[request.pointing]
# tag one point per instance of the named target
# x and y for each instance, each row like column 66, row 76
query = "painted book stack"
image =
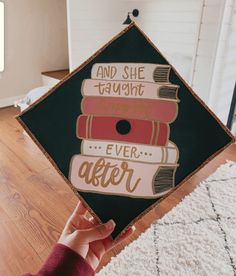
column 127, row 109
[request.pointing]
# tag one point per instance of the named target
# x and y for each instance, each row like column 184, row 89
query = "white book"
column 119, row 177
column 130, row 151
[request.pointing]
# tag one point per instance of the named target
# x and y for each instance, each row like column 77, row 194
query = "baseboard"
column 10, row 100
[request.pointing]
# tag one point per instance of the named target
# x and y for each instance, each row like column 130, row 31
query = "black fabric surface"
column 53, row 120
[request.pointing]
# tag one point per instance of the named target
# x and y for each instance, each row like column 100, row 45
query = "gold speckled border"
column 76, row 71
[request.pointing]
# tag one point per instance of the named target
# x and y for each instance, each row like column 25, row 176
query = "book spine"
column 105, row 128
column 117, row 177
column 129, row 89
column 163, row 111
column 133, row 152
column 131, row 71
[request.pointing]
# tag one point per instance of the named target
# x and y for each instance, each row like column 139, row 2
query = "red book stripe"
column 104, row 128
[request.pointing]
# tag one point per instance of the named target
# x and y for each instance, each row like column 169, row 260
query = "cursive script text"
column 104, row 173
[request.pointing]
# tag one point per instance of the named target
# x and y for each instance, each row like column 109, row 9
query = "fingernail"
column 110, row 224
column 92, row 220
column 133, row 228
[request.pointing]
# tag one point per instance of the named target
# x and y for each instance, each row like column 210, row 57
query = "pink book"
column 158, row 110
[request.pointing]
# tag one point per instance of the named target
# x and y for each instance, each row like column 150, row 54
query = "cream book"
column 130, row 89
column 119, row 177
column 129, row 151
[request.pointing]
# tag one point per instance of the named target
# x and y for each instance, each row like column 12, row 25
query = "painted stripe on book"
column 87, row 127
column 156, row 134
column 90, row 125
column 152, row 134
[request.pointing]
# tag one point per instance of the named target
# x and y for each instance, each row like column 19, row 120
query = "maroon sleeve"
column 64, row 261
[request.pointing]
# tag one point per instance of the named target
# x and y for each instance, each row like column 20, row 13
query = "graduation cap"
column 124, row 129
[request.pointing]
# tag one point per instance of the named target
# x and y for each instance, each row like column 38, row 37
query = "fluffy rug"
column 197, row 237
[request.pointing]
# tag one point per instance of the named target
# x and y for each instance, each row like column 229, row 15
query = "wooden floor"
column 35, row 201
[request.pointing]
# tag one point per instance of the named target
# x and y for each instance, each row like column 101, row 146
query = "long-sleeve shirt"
column 64, row 261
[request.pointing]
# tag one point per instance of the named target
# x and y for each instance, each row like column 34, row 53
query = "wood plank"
column 17, row 255
column 17, row 147
column 31, row 188
column 31, row 201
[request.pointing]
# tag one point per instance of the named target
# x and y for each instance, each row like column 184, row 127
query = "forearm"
column 64, row 261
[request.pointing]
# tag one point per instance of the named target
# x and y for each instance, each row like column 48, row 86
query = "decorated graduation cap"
column 124, row 129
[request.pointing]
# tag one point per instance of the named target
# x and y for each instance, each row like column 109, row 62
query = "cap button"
column 123, row 127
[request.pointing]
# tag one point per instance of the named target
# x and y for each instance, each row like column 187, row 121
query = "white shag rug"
column 197, row 237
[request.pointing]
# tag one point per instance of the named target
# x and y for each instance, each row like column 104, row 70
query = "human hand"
column 87, row 237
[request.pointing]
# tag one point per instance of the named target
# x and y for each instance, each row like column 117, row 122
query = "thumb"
column 98, row 232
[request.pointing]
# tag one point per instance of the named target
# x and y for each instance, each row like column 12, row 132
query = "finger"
column 80, row 209
column 98, row 232
column 102, row 246
column 107, row 243
column 83, row 223
column 92, row 259
column 74, row 220
column 86, row 222
column 97, row 248
column 94, row 221
column 124, row 236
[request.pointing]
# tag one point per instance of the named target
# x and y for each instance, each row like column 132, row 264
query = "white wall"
column 35, row 41
column 172, row 25
column 206, row 47
column 197, row 36
column 224, row 75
